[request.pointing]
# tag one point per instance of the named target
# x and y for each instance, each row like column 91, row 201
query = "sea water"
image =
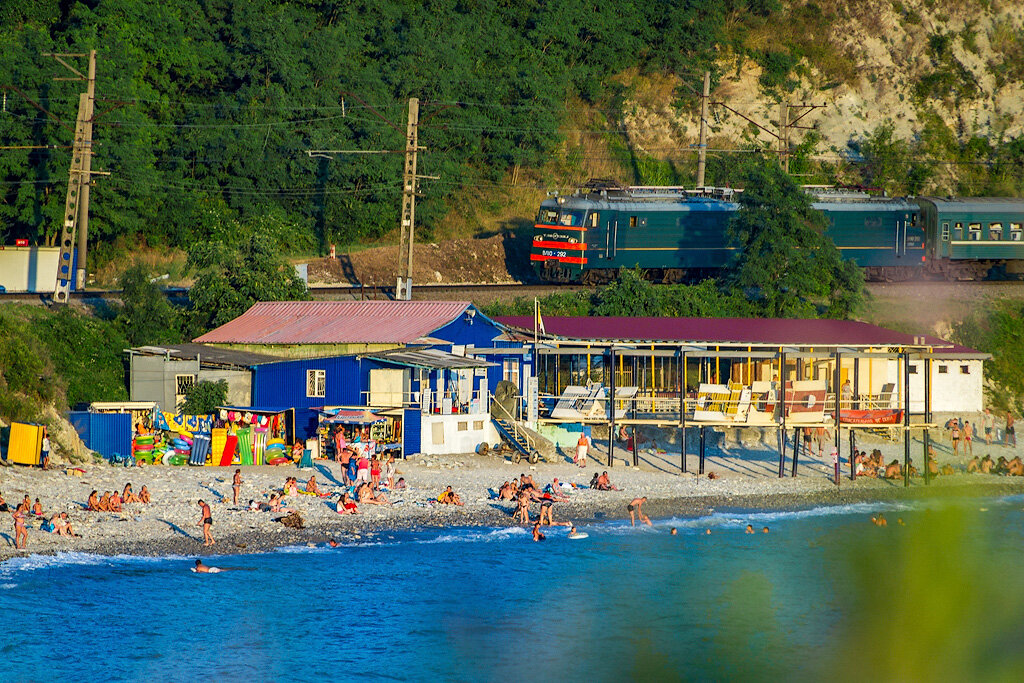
column 825, row 594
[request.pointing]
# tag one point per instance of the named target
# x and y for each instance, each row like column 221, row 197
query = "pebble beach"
column 746, row 477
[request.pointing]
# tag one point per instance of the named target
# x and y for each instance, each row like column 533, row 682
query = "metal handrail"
column 518, row 431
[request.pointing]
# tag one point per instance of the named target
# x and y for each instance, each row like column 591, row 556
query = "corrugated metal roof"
column 336, row 322
column 430, row 359
column 208, row 355
column 734, row 331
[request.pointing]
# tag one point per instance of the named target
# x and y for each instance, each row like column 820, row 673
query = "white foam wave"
column 473, row 535
column 73, row 558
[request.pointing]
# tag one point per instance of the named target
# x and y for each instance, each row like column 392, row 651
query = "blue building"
column 432, row 365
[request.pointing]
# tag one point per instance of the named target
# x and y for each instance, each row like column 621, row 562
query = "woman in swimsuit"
column 115, row 502
column 20, row 532
column 375, row 472
column 389, row 472
column 346, row 506
column 105, row 502
column 129, row 496
column 144, row 495
column 94, row 502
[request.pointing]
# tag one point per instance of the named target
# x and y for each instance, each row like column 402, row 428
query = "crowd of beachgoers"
column 94, row 509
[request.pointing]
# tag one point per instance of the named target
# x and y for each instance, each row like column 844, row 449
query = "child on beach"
column 144, row 495
column 37, row 508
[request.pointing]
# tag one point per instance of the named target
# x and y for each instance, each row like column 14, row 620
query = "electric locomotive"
column 677, row 235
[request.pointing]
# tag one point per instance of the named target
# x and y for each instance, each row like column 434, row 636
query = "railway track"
column 485, row 292
column 490, row 292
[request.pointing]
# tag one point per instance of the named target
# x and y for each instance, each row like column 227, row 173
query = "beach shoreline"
column 168, row 527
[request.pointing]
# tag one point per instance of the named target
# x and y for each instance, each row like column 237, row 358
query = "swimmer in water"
column 764, row 530
column 673, row 531
column 750, row 529
column 707, row 532
column 537, row 535
column 201, row 568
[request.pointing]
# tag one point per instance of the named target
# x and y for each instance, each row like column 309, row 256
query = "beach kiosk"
column 25, row 446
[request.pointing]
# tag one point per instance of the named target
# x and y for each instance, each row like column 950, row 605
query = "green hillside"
column 206, row 108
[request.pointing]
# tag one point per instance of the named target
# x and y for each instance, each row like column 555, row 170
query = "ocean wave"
column 74, row 558
column 474, row 535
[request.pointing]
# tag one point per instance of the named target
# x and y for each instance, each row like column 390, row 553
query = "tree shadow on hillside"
column 517, row 235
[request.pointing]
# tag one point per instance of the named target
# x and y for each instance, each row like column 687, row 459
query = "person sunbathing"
column 37, row 508
column 276, row 506
column 105, row 502
column 25, row 505
column 129, row 496
column 4, row 507
column 947, row 469
column 594, row 479
column 933, row 469
column 366, row 495
column 115, row 502
column 556, row 491
column 400, row 484
column 605, row 484
column 449, row 497
column 974, row 465
column 311, row 486
column 93, row 502
column 144, row 495
column 1000, row 466
column 346, row 506
column 1015, row 467
column 291, row 486
column 506, row 492
column 986, row 465
column 893, row 470
column 526, row 482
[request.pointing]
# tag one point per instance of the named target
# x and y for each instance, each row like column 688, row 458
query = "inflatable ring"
column 278, row 461
column 177, row 460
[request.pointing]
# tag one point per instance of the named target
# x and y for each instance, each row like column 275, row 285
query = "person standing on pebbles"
column 236, row 486
column 206, row 522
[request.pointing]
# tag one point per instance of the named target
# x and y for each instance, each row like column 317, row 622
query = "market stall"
column 365, row 431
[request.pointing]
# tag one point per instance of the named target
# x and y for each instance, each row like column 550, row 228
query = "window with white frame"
column 510, row 370
column 316, row 383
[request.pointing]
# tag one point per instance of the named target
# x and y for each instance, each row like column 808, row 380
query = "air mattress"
column 245, row 446
column 228, row 454
column 200, row 449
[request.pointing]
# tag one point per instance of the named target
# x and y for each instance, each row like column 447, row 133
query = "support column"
column 796, row 449
column 927, row 416
column 682, row 410
column 611, row 407
column 700, row 469
column 636, row 457
column 906, row 418
column 853, row 449
column 835, row 389
column 780, row 400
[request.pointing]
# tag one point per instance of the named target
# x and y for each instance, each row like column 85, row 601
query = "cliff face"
column 909, row 65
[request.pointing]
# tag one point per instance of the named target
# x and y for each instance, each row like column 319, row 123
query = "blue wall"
column 105, row 433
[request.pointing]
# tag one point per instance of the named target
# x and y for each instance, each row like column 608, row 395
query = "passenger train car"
column 678, row 235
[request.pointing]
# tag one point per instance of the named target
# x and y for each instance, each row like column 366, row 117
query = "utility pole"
column 702, row 147
column 76, row 204
column 786, row 123
column 407, row 218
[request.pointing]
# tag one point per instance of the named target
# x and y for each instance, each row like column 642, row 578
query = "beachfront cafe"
column 696, row 374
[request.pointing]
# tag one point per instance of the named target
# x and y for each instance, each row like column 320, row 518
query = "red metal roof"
column 336, row 322
column 734, row 331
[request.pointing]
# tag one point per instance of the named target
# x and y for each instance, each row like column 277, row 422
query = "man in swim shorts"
column 635, row 510
column 201, row 568
column 206, row 521
column 581, row 450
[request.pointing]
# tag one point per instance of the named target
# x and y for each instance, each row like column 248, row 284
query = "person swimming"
column 749, row 529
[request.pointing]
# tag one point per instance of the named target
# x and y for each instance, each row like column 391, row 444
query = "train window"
column 571, row 218
column 1015, row 232
column 593, row 219
column 995, row 231
column 945, row 232
column 958, row 231
column 913, row 219
column 974, row 230
column 633, row 221
column 548, row 217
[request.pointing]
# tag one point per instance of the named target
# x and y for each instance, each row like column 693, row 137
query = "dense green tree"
column 204, row 397
column 146, row 316
column 230, row 279
column 1001, row 333
column 784, row 262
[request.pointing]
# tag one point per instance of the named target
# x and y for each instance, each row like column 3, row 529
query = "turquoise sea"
column 824, row 595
